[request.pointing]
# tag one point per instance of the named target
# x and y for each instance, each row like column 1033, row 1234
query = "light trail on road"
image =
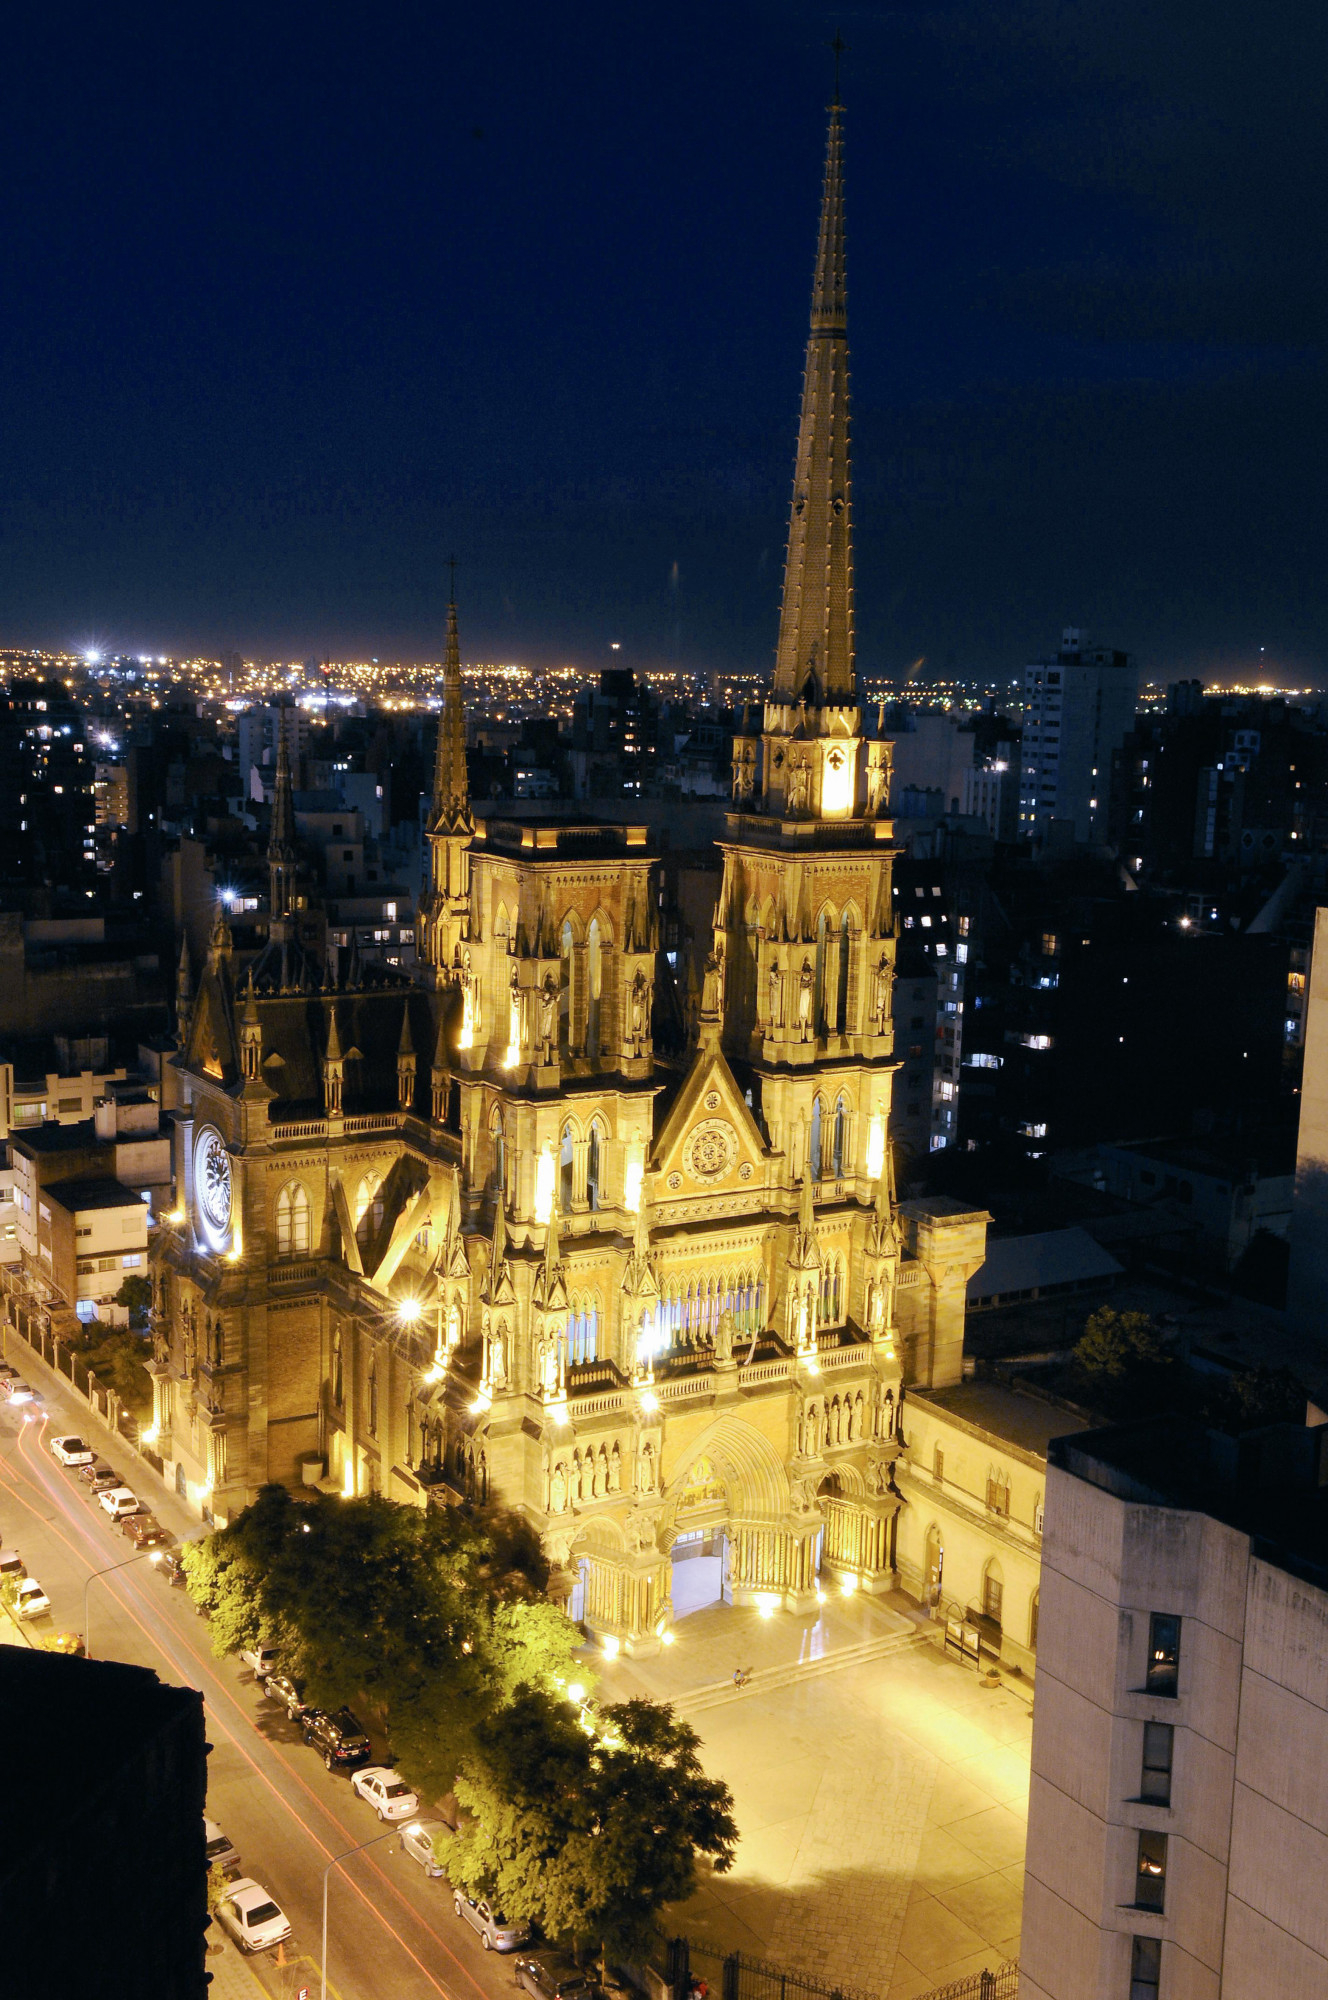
column 44, row 1480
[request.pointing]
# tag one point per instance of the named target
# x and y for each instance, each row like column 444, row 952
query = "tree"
column 1117, row 1345
column 433, row 1616
column 1258, row 1396
column 589, row 1830
column 136, row 1294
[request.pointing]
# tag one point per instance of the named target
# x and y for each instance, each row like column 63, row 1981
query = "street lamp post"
column 336, row 1863
column 149, row 1556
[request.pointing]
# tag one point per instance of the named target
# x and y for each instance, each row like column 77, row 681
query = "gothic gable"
column 710, row 1138
column 211, row 1049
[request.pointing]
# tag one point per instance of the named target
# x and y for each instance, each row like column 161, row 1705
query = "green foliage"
column 136, row 1295
column 588, row 1833
column 431, row 1616
column 1118, row 1345
column 1259, row 1396
column 437, row 1619
column 117, row 1358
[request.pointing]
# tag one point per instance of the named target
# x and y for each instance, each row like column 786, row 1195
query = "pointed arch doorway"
column 700, row 1550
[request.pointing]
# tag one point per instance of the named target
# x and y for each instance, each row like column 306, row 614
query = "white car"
column 389, row 1796
column 221, row 1852
column 424, row 1840
column 118, row 1501
column 263, row 1660
column 17, row 1391
column 497, row 1932
column 72, row 1451
column 30, row 1600
column 248, row 1912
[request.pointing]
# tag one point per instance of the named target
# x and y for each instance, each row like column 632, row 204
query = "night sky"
column 296, row 302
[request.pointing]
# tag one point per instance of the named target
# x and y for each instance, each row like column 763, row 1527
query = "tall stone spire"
column 444, row 906
column 281, row 840
column 814, row 658
column 451, row 788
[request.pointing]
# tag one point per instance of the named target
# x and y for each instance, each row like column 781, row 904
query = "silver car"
column 497, row 1932
column 424, row 1840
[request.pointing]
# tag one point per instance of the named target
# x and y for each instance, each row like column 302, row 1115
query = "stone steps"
column 768, row 1680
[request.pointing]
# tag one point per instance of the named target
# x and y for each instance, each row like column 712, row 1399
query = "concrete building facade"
column 1078, row 709
column 1178, row 1813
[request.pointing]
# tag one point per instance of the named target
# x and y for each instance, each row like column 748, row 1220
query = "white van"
column 118, row 1501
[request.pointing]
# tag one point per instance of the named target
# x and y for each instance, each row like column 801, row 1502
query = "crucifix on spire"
column 840, row 47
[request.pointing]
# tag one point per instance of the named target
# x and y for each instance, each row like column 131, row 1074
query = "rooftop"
column 1015, row 1417
column 81, row 1195
column 1265, row 1484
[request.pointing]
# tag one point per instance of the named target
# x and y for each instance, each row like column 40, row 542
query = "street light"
column 336, row 1863
column 150, row 1556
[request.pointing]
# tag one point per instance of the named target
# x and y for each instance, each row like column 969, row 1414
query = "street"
column 391, row 1930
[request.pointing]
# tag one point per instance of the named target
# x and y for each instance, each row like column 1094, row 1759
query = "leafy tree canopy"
column 1117, row 1345
column 588, row 1829
column 432, row 1616
column 1258, row 1396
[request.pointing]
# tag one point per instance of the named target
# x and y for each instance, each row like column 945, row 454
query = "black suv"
column 553, row 1979
column 338, row 1738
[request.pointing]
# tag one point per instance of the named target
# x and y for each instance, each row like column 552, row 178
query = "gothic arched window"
column 293, row 1221
column 814, row 1149
column 839, row 1142
column 594, row 1162
column 565, row 1156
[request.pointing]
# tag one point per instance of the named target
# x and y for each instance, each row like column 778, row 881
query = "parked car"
column 101, row 1478
column 12, row 1565
column 262, row 1659
column 171, row 1567
column 117, row 1501
column 145, row 1531
column 7, row 1368
column 389, row 1795
column 251, row 1916
column 288, row 1693
column 338, row 1738
column 496, row 1933
column 425, row 1841
column 221, row 1851
column 548, row 1979
column 30, row 1600
column 16, row 1389
column 72, row 1451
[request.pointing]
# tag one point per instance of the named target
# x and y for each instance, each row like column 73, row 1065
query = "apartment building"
column 1178, row 1813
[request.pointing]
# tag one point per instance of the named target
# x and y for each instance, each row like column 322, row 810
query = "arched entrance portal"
column 700, row 1551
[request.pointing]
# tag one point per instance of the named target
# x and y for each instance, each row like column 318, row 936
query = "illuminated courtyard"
column 881, row 1791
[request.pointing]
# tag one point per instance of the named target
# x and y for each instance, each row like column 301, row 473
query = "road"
column 392, row 1931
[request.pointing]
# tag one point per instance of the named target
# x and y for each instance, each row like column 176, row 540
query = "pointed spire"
column 814, row 658
column 333, row 1053
column 499, row 1256
column 281, row 837
column 553, row 1251
column 405, row 1047
column 219, row 944
column 451, row 787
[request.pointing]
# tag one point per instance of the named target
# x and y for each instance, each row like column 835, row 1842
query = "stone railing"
column 306, row 1128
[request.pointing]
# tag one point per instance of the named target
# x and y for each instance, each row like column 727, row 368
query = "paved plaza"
column 881, row 1792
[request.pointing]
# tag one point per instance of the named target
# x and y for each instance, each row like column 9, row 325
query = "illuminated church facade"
column 532, row 1227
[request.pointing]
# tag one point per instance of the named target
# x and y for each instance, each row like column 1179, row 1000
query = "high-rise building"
column 1078, row 708
column 107, row 1761
column 1178, row 1813
column 571, row 1219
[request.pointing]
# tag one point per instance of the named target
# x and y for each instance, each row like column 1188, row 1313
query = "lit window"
column 1150, row 1887
column 1163, row 1673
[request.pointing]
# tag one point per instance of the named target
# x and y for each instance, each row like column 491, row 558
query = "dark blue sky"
column 295, row 301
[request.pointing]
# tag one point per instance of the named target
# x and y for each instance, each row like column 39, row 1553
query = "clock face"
column 711, row 1150
column 212, row 1187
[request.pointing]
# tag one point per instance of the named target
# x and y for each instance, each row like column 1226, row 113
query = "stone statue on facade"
column 806, row 982
column 638, row 1009
column 881, row 982
column 724, row 1340
column 548, row 1018
column 776, row 997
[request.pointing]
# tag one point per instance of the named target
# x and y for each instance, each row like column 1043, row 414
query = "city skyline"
column 540, row 313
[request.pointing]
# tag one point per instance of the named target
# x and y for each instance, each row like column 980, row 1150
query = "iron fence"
column 742, row 1978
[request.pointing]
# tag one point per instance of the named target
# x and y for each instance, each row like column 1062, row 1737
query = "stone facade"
column 546, row 1225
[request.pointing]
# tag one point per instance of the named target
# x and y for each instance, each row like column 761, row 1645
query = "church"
column 519, row 1229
